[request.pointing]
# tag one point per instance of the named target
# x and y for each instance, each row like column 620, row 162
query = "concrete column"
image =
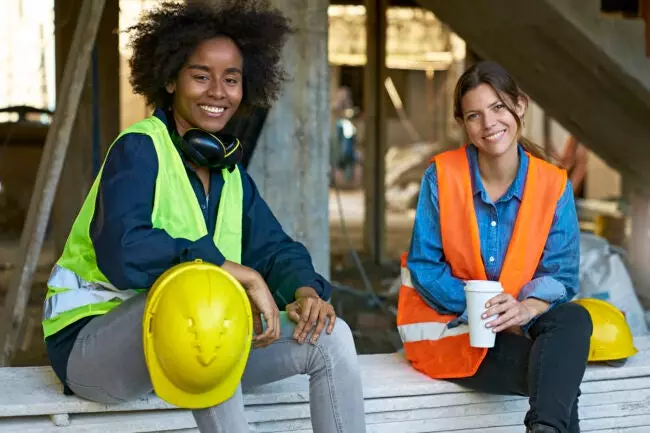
column 639, row 242
column 290, row 163
column 374, row 170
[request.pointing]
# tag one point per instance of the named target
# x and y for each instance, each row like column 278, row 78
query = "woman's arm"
column 130, row 252
column 431, row 275
column 284, row 263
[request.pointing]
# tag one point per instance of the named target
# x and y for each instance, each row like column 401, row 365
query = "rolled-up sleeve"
column 285, row 264
column 130, row 252
column 431, row 274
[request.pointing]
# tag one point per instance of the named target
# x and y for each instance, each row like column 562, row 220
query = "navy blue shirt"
column 131, row 253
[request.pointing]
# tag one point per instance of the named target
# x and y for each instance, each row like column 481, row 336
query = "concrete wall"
column 589, row 72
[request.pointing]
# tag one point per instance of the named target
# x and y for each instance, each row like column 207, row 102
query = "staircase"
column 588, row 70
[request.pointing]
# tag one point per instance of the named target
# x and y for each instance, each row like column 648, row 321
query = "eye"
column 200, row 77
column 232, row 80
column 472, row 116
column 500, row 106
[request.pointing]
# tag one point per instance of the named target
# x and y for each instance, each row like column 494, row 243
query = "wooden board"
column 397, row 399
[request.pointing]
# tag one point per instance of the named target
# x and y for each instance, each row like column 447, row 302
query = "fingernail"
column 484, row 316
column 487, row 305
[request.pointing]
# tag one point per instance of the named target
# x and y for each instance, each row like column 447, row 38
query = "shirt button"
column 491, row 259
column 493, row 223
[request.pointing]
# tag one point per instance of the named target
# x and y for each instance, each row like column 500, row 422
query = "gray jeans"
column 107, row 365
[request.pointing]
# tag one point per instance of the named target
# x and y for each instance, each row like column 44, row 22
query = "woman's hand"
column 309, row 311
column 512, row 313
column 262, row 303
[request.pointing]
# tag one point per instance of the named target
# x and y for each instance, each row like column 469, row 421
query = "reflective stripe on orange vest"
column 429, row 345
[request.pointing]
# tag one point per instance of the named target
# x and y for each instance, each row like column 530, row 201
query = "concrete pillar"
column 639, row 242
column 290, row 163
column 374, row 170
column 77, row 174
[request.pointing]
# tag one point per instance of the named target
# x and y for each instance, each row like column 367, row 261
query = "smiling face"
column 490, row 126
column 208, row 88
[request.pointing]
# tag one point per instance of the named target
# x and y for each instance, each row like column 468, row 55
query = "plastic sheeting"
column 603, row 275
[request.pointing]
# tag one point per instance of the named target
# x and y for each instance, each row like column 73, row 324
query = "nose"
column 216, row 89
column 489, row 120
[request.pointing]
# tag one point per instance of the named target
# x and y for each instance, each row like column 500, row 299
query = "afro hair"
column 166, row 36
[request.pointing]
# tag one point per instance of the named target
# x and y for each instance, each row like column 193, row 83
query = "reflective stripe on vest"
column 429, row 344
column 78, row 288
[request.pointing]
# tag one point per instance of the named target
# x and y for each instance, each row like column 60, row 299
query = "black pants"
column 548, row 368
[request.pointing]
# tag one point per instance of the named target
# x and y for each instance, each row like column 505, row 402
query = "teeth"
column 494, row 136
column 212, row 109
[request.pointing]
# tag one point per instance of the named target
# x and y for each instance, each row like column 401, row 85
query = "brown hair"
column 494, row 75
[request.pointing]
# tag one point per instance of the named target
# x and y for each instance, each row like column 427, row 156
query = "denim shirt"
column 556, row 278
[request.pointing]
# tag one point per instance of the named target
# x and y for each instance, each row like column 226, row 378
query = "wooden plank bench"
column 397, row 399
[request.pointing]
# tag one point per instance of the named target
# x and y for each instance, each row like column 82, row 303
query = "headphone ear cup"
column 210, row 148
column 236, row 155
column 192, row 153
column 234, row 149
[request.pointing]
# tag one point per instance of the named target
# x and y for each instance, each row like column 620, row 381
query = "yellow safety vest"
column 77, row 288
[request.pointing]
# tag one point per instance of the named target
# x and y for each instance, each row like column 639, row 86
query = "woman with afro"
column 197, row 66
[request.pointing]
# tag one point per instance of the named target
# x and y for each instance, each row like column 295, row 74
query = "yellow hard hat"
column 197, row 332
column 611, row 338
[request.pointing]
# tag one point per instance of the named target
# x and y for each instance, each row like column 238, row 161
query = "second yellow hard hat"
column 611, row 338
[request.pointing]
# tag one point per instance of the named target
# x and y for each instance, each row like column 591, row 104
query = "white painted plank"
column 509, row 429
column 150, row 421
column 604, row 386
column 37, row 391
column 153, row 420
column 372, row 405
column 388, row 410
column 483, row 415
column 390, row 384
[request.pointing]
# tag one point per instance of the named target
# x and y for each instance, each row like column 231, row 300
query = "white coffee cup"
column 477, row 293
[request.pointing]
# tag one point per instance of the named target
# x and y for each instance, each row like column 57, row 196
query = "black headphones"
column 208, row 150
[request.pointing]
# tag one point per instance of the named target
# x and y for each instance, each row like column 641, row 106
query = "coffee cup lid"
column 483, row 286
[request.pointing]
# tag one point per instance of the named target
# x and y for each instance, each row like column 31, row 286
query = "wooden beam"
column 54, row 152
column 546, row 132
column 374, row 169
column 432, row 130
column 639, row 241
column 108, row 76
column 644, row 12
column 97, row 121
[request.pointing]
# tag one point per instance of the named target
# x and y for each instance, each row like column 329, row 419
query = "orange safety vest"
column 429, row 345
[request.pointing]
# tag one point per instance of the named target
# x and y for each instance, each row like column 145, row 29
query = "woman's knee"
column 339, row 344
column 573, row 317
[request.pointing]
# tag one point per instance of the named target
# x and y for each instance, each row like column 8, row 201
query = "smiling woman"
column 208, row 89
column 496, row 210
column 172, row 191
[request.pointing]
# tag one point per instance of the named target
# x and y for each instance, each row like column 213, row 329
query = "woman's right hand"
column 262, row 302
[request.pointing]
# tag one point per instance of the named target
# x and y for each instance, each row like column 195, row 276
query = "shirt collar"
column 516, row 189
column 166, row 118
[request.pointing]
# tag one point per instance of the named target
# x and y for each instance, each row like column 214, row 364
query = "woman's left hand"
column 512, row 312
column 309, row 311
